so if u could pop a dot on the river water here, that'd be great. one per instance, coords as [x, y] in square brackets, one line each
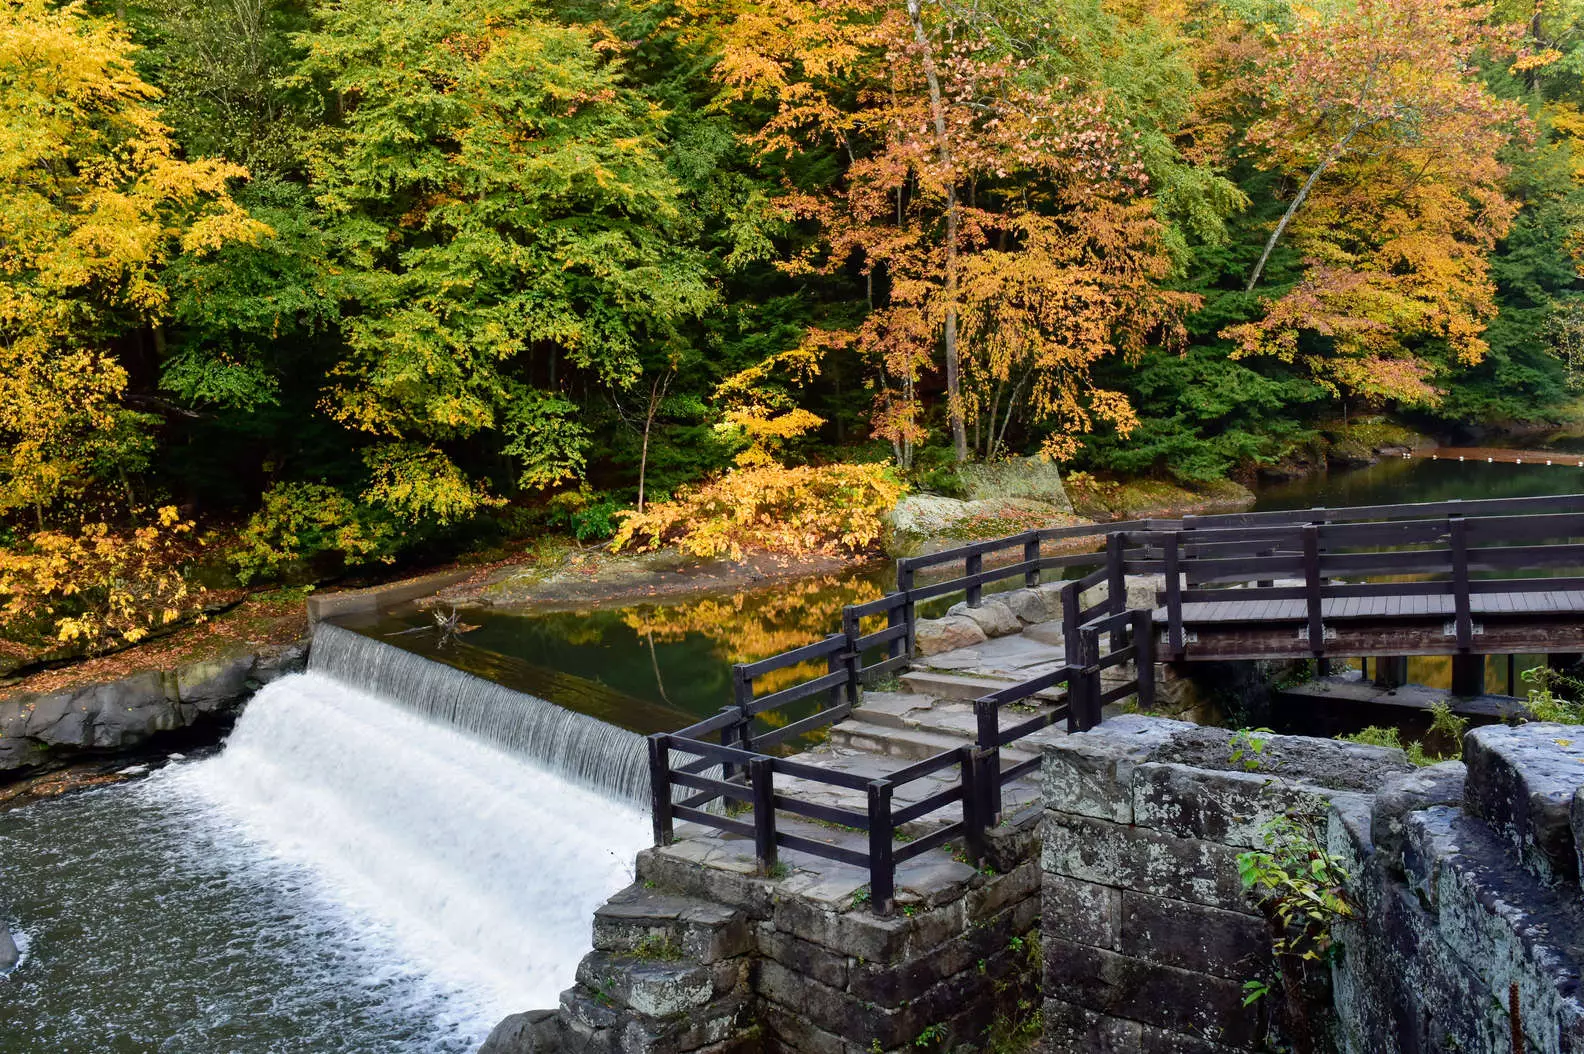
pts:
[345, 877]
[349, 878]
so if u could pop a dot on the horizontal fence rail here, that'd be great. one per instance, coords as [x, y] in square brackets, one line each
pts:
[726, 771]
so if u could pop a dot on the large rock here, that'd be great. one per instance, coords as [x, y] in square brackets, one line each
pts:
[1031, 477]
[994, 617]
[940, 523]
[9, 955]
[935, 635]
[42, 731]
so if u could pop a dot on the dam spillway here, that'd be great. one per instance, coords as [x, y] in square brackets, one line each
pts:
[351, 873]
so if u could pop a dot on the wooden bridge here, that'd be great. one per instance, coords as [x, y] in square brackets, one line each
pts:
[1466, 579]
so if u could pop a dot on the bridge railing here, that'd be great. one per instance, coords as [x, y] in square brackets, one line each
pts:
[727, 787]
[1336, 562]
[724, 768]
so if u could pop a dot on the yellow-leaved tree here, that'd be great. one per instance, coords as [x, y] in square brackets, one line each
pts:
[93, 202]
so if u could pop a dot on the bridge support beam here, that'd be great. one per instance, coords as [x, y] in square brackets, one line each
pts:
[1391, 671]
[1468, 675]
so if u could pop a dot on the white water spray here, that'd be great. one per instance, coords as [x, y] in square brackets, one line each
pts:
[484, 867]
[575, 746]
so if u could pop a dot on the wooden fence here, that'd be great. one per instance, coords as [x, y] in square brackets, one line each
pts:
[728, 759]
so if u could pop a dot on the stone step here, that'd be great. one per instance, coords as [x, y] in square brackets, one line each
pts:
[649, 922]
[892, 709]
[951, 685]
[908, 744]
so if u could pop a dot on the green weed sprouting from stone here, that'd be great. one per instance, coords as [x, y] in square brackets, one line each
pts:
[1546, 704]
[1445, 726]
[661, 947]
[1248, 747]
[1300, 889]
[931, 1035]
[1299, 885]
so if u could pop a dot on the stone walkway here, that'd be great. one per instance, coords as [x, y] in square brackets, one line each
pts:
[930, 711]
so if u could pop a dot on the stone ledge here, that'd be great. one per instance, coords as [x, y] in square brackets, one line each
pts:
[1522, 782]
[1091, 774]
[1499, 920]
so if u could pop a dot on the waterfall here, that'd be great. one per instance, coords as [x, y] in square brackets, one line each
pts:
[581, 749]
[482, 866]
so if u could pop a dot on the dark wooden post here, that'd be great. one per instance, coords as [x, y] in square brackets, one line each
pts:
[1069, 602]
[761, 772]
[660, 787]
[987, 715]
[852, 658]
[1512, 675]
[1144, 657]
[909, 610]
[1174, 623]
[882, 871]
[1116, 585]
[976, 816]
[1311, 564]
[1468, 675]
[1090, 712]
[1031, 552]
[973, 566]
[1457, 533]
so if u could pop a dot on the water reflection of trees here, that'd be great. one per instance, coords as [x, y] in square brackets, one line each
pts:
[751, 626]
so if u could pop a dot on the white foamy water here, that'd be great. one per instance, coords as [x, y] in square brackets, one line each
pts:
[346, 876]
[485, 867]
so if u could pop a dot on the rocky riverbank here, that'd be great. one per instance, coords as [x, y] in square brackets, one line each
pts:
[42, 733]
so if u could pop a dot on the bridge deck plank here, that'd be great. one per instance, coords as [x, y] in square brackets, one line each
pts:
[1539, 602]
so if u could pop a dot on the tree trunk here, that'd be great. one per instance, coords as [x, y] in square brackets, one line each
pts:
[656, 393]
[1303, 193]
[943, 146]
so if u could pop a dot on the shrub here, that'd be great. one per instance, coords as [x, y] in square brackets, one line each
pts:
[797, 511]
[299, 521]
[98, 588]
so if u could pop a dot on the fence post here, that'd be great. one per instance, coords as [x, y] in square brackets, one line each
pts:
[1144, 657]
[976, 815]
[1031, 552]
[1174, 624]
[660, 787]
[882, 871]
[972, 566]
[843, 663]
[1069, 601]
[1116, 584]
[987, 714]
[1090, 715]
[1311, 564]
[761, 771]
[852, 629]
[909, 612]
[1457, 529]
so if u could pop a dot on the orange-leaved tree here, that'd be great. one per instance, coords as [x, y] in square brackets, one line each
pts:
[1000, 220]
[1377, 111]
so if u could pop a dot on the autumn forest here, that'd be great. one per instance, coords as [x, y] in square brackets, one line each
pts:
[341, 283]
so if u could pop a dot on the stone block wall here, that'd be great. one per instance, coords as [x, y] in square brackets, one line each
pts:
[1471, 925]
[1148, 935]
[703, 955]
